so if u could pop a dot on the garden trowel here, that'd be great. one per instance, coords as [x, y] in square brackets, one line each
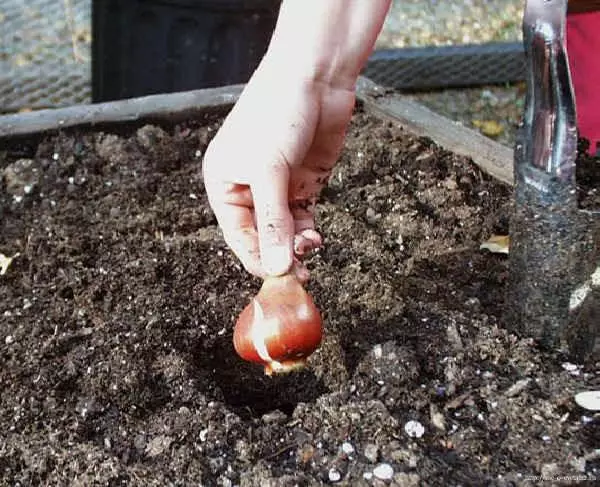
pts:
[554, 258]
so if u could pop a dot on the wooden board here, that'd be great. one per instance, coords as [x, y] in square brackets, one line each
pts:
[494, 158]
[167, 107]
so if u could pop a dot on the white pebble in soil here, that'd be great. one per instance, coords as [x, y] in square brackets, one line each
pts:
[383, 471]
[347, 448]
[414, 429]
[371, 452]
[334, 475]
[589, 400]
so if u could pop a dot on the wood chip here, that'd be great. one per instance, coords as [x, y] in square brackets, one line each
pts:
[497, 244]
[5, 262]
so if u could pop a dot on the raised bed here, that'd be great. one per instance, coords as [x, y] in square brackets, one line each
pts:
[116, 360]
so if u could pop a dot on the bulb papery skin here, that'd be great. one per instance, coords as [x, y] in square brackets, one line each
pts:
[280, 327]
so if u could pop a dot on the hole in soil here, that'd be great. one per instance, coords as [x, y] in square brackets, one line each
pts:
[251, 395]
[248, 391]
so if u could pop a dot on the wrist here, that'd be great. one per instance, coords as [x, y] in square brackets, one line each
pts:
[325, 43]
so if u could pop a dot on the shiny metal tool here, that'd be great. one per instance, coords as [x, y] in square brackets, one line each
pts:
[554, 280]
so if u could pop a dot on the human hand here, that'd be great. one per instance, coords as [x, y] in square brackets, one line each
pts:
[264, 169]
[266, 166]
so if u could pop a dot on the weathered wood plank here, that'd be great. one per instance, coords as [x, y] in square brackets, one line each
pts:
[494, 158]
[489, 155]
[167, 107]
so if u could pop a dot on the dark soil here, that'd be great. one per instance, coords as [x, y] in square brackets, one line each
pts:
[116, 358]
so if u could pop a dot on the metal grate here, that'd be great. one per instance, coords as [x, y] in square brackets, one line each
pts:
[447, 66]
[44, 53]
[45, 58]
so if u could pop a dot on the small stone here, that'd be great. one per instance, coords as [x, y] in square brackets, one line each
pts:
[372, 216]
[437, 419]
[204, 435]
[158, 445]
[20, 177]
[451, 184]
[334, 475]
[9, 340]
[571, 368]
[243, 450]
[589, 400]
[518, 387]
[149, 135]
[140, 442]
[347, 448]
[454, 337]
[371, 452]
[225, 481]
[414, 429]
[274, 417]
[403, 479]
[383, 471]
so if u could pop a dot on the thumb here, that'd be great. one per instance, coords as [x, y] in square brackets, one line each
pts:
[274, 220]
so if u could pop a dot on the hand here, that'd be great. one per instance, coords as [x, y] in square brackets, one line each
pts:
[266, 166]
[264, 169]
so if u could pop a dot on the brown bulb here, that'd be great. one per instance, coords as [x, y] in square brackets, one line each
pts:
[280, 327]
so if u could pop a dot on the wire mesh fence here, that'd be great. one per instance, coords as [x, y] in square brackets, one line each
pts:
[45, 58]
[44, 53]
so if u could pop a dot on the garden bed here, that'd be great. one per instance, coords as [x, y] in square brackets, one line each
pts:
[116, 358]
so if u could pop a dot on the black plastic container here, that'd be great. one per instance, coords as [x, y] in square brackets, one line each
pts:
[144, 47]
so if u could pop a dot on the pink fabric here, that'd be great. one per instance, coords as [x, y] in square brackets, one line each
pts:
[583, 46]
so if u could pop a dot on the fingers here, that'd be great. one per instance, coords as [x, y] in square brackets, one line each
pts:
[273, 218]
[306, 241]
[237, 224]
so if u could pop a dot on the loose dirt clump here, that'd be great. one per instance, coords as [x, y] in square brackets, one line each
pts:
[116, 358]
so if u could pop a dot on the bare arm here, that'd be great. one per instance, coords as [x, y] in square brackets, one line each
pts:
[326, 40]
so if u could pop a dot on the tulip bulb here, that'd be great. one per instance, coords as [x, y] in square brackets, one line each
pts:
[280, 327]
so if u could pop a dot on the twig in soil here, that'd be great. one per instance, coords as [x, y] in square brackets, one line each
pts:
[280, 451]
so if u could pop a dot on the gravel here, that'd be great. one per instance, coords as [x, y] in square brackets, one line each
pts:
[493, 110]
[439, 22]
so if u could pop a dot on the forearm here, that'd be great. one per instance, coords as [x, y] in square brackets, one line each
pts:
[325, 41]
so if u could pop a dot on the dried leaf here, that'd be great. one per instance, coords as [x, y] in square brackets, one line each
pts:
[491, 128]
[497, 244]
[5, 262]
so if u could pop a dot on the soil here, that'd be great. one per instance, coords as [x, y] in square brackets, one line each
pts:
[116, 358]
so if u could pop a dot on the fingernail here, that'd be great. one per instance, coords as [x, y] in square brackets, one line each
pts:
[277, 260]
